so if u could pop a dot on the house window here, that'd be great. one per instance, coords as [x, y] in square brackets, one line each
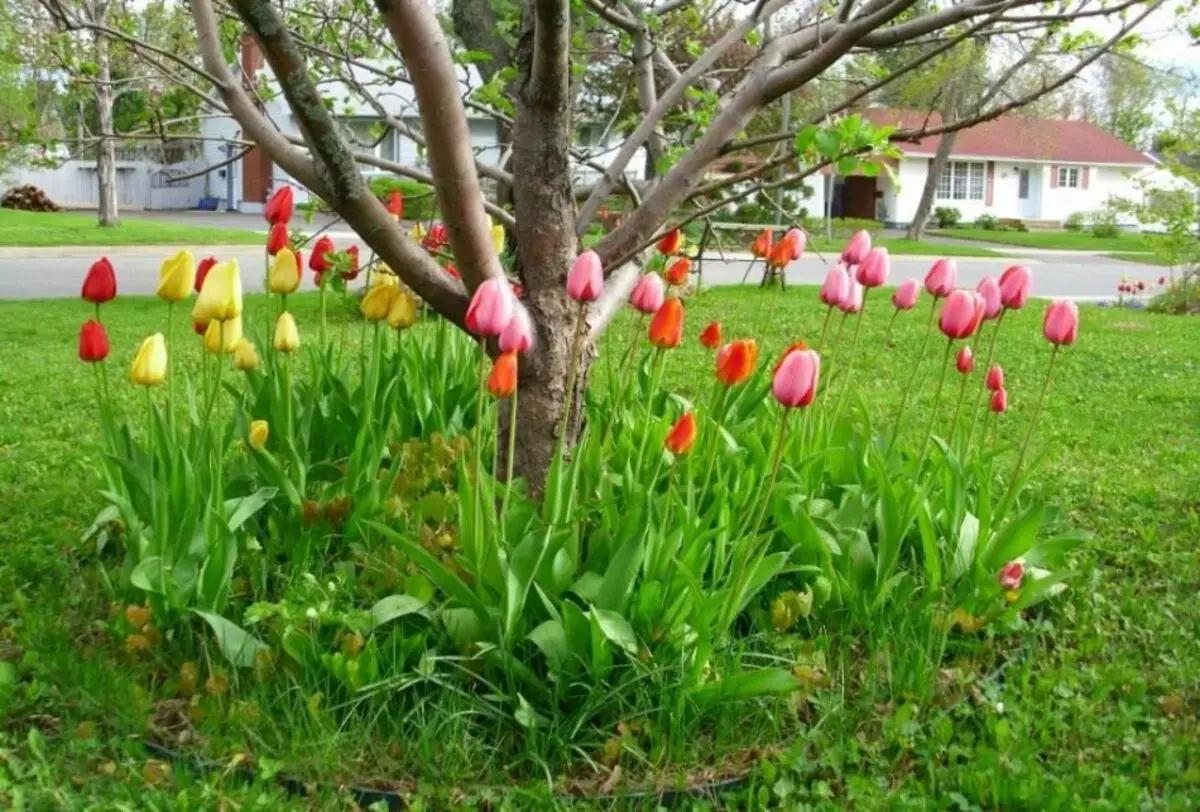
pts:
[1068, 177]
[961, 180]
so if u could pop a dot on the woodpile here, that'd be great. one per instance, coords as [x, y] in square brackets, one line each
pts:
[28, 198]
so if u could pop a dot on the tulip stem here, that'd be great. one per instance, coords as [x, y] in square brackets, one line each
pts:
[776, 459]
[913, 377]
[824, 327]
[655, 375]
[1037, 413]
[887, 336]
[324, 342]
[835, 354]
[937, 401]
[572, 371]
[508, 461]
[837, 409]
[717, 409]
[171, 364]
[962, 393]
[987, 368]
[477, 542]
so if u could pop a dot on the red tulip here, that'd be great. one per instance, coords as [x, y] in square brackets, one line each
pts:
[280, 207]
[941, 278]
[203, 268]
[277, 238]
[436, 238]
[517, 335]
[502, 381]
[780, 254]
[836, 285]
[100, 284]
[761, 246]
[395, 205]
[1061, 323]
[669, 244]
[93, 342]
[736, 360]
[1011, 575]
[965, 361]
[490, 309]
[798, 241]
[677, 272]
[999, 403]
[1015, 283]
[1141, 285]
[351, 272]
[989, 289]
[319, 261]
[451, 271]
[648, 293]
[666, 328]
[995, 378]
[711, 335]
[200, 327]
[905, 297]
[682, 435]
[961, 314]
[873, 271]
[795, 382]
[856, 250]
[585, 280]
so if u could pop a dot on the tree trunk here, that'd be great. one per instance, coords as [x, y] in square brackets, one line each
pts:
[106, 163]
[916, 229]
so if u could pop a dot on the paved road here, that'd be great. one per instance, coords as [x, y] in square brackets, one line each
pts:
[27, 273]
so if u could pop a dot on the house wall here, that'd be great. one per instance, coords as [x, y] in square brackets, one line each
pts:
[140, 184]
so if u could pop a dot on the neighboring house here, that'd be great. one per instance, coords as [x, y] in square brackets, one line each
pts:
[246, 184]
[1039, 171]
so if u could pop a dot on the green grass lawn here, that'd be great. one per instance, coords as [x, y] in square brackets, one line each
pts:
[1098, 708]
[1061, 240]
[34, 229]
[1143, 259]
[901, 246]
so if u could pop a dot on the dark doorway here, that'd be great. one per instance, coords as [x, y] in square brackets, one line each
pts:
[858, 198]
[256, 176]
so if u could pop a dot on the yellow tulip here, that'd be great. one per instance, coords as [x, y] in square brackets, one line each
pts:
[220, 298]
[287, 337]
[223, 336]
[150, 364]
[385, 277]
[378, 301]
[403, 312]
[498, 238]
[245, 356]
[176, 277]
[260, 430]
[285, 272]
[417, 232]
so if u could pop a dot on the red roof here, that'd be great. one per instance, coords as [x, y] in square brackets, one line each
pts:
[1031, 139]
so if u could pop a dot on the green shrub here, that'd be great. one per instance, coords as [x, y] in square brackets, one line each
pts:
[1075, 221]
[946, 216]
[420, 202]
[988, 223]
[1104, 225]
[1179, 298]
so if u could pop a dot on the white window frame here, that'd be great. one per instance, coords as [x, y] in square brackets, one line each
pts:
[1069, 177]
[963, 180]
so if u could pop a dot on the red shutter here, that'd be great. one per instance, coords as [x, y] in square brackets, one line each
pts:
[1087, 170]
[1053, 176]
[991, 183]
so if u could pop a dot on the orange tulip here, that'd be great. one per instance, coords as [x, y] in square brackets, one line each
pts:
[677, 272]
[682, 435]
[666, 328]
[711, 337]
[503, 380]
[780, 254]
[736, 360]
[762, 243]
[669, 244]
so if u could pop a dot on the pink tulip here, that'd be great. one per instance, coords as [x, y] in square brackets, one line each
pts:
[852, 302]
[905, 297]
[874, 269]
[491, 308]
[989, 289]
[648, 293]
[941, 278]
[961, 314]
[856, 250]
[999, 403]
[798, 241]
[995, 378]
[1062, 322]
[1011, 574]
[517, 335]
[1015, 283]
[836, 285]
[586, 279]
[795, 382]
[965, 360]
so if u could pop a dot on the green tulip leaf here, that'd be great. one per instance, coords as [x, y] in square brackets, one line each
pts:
[239, 646]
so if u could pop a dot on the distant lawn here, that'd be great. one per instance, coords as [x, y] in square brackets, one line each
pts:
[33, 229]
[901, 246]
[1144, 259]
[1061, 240]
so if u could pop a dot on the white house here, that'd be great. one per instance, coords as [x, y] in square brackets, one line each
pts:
[1039, 171]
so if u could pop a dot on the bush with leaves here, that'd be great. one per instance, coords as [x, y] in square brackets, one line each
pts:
[946, 216]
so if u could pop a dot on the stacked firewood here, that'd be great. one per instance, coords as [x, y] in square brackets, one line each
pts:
[28, 198]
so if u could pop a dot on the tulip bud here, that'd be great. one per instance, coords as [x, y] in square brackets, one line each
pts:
[852, 302]
[856, 250]
[100, 284]
[149, 366]
[796, 378]
[280, 207]
[999, 402]
[995, 378]
[1061, 324]
[795, 346]
[404, 311]
[874, 269]
[677, 272]
[965, 361]
[836, 285]
[682, 435]
[798, 240]
[761, 246]
[278, 238]
[648, 293]
[395, 205]
[1015, 284]
[287, 337]
[585, 280]
[989, 289]
[502, 381]
[666, 328]
[259, 431]
[285, 273]
[245, 356]
[176, 277]
[378, 301]
[1011, 574]
[221, 297]
[711, 335]
[498, 240]
[905, 297]
[735, 361]
[780, 254]
[517, 335]
[491, 308]
[961, 314]
[941, 278]
[93, 342]
[350, 272]
[223, 336]
[669, 244]
[318, 260]
[202, 270]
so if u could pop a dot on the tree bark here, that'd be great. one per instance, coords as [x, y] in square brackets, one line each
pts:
[106, 161]
[916, 229]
